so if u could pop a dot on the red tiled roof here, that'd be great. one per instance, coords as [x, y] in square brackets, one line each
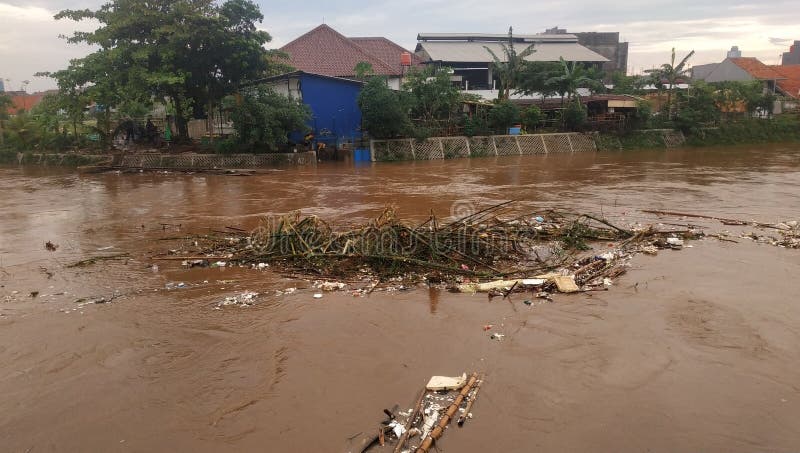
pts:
[25, 102]
[325, 51]
[387, 51]
[791, 84]
[756, 68]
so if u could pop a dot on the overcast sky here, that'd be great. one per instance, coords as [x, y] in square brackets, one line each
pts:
[29, 36]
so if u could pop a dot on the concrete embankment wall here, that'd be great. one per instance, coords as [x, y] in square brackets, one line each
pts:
[187, 161]
[509, 145]
[191, 161]
[495, 145]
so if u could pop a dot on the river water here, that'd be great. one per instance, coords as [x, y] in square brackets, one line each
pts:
[696, 350]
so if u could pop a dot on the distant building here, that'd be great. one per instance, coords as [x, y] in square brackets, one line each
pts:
[734, 52]
[325, 51]
[466, 53]
[793, 55]
[24, 102]
[2, 86]
[335, 116]
[606, 44]
[784, 80]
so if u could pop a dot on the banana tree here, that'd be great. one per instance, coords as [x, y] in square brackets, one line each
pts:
[509, 67]
[671, 73]
[574, 76]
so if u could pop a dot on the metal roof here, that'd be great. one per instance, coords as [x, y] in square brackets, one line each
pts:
[474, 52]
[489, 37]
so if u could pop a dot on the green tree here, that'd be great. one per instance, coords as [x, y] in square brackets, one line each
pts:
[573, 76]
[534, 77]
[750, 94]
[532, 118]
[508, 67]
[625, 84]
[384, 112]
[263, 118]
[700, 108]
[503, 115]
[277, 62]
[670, 74]
[192, 52]
[5, 104]
[574, 116]
[432, 94]
[24, 132]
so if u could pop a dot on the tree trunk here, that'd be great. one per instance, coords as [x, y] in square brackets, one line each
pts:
[180, 120]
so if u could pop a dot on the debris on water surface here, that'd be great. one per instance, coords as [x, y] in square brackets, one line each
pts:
[244, 299]
[418, 428]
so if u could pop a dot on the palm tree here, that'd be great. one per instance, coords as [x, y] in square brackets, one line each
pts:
[574, 76]
[508, 69]
[671, 73]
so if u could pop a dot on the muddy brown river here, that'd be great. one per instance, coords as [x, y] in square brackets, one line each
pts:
[695, 350]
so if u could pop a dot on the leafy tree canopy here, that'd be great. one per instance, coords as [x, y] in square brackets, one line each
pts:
[508, 66]
[190, 51]
[433, 95]
[384, 112]
[263, 118]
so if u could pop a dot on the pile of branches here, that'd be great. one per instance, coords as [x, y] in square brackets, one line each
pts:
[493, 242]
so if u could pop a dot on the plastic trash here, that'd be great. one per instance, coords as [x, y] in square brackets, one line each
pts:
[539, 219]
[497, 336]
[398, 429]
[566, 283]
[675, 242]
[244, 299]
[318, 296]
[437, 383]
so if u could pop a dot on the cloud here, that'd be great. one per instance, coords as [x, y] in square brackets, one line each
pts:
[29, 43]
[780, 41]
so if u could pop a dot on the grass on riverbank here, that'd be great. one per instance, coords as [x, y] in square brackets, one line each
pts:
[784, 128]
[781, 129]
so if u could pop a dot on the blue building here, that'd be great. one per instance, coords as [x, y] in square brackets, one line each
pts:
[335, 116]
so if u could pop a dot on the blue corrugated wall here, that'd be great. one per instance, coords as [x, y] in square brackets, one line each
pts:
[334, 107]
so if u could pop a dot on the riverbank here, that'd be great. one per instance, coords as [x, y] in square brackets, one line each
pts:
[674, 351]
[782, 129]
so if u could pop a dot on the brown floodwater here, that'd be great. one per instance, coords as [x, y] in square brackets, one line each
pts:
[696, 350]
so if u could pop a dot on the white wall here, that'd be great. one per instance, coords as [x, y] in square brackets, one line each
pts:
[394, 83]
[288, 88]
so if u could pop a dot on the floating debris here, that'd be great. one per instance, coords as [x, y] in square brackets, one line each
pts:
[495, 250]
[416, 429]
[244, 299]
